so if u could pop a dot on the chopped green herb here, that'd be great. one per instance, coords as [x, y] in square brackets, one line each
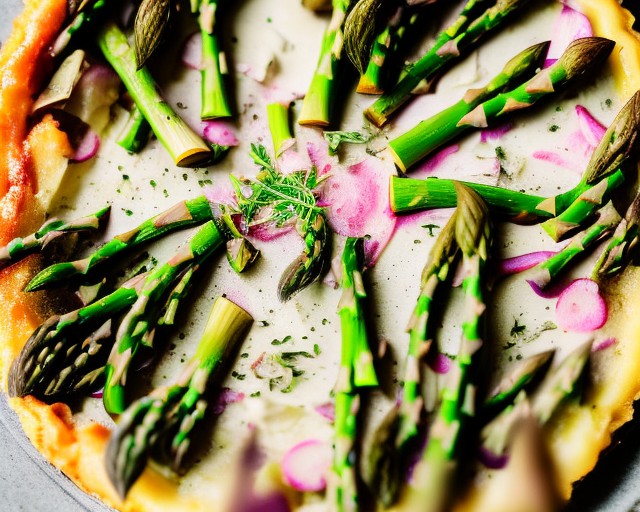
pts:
[153, 183]
[316, 349]
[430, 228]
[336, 138]
[554, 128]
[239, 376]
[165, 192]
[500, 153]
[255, 394]
[282, 341]
[517, 330]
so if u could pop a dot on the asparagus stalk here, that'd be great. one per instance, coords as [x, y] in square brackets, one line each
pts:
[136, 132]
[281, 199]
[83, 18]
[409, 194]
[278, 120]
[519, 377]
[378, 71]
[149, 28]
[215, 74]
[622, 246]
[319, 101]
[19, 248]
[356, 372]
[166, 418]
[428, 135]
[65, 342]
[391, 451]
[430, 488]
[183, 144]
[138, 323]
[472, 23]
[182, 215]
[545, 272]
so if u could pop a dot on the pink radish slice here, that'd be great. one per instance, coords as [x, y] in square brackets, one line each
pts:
[327, 410]
[569, 26]
[580, 307]
[226, 397]
[97, 394]
[305, 466]
[603, 345]
[86, 147]
[492, 460]
[219, 132]
[524, 262]
[494, 134]
[550, 292]
[592, 129]
[440, 364]
[192, 51]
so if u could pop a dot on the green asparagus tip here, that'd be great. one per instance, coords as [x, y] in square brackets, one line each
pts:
[471, 221]
[618, 144]
[360, 31]
[61, 271]
[152, 20]
[583, 55]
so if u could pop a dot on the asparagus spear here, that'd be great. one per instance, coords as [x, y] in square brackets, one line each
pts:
[215, 99]
[182, 215]
[472, 23]
[183, 144]
[149, 28]
[428, 135]
[66, 342]
[136, 132]
[622, 246]
[545, 272]
[429, 490]
[391, 449]
[378, 71]
[561, 383]
[83, 18]
[281, 199]
[18, 248]
[166, 418]
[278, 120]
[319, 101]
[520, 376]
[409, 194]
[138, 323]
[356, 372]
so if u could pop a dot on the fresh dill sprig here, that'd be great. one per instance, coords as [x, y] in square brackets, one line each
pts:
[277, 198]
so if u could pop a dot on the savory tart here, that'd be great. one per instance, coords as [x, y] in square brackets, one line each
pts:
[303, 405]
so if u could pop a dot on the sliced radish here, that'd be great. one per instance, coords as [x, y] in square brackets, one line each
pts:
[219, 132]
[97, 394]
[192, 51]
[549, 292]
[226, 397]
[592, 129]
[494, 134]
[580, 307]
[305, 466]
[603, 345]
[569, 26]
[327, 410]
[492, 460]
[86, 147]
[524, 262]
